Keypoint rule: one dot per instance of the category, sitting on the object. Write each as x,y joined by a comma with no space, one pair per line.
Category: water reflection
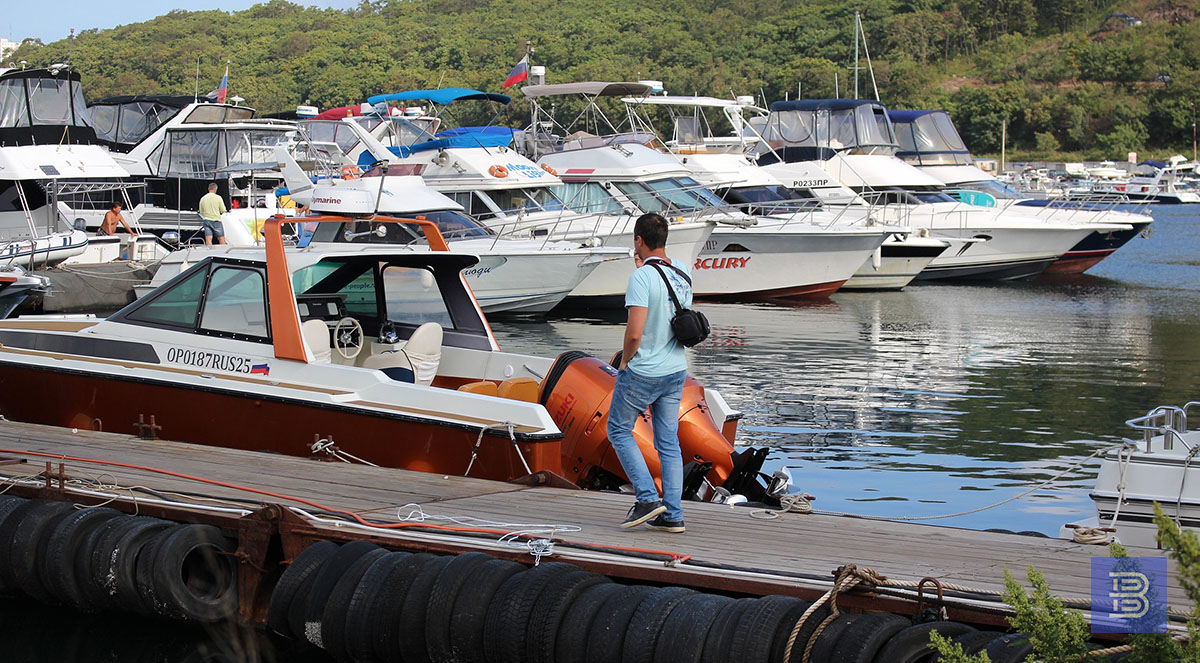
34,632
947,398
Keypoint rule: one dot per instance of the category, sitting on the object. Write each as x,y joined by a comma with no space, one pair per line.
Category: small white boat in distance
1159,468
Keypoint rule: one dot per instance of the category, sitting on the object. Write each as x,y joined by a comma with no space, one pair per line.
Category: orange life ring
550,170
349,173
498,171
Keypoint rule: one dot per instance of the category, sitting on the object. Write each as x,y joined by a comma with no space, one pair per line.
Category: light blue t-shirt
660,352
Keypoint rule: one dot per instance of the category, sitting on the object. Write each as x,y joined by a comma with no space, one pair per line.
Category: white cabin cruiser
929,141
1158,468
852,141
722,164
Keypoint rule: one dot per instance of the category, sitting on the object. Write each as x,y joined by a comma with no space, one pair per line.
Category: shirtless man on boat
112,218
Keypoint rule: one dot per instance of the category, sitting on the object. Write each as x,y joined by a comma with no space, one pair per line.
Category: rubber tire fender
784,630
972,643
304,614
641,638
606,638
571,642
29,538
470,610
805,634
863,639
754,636
360,645
683,633
389,602
135,591
442,600
911,644
1011,648
295,576
411,644
542,634
63,550
823,649
509,613
335,618
718,642
92,586
196,575
8,503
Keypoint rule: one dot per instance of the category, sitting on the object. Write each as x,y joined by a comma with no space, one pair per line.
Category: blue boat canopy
443,96
451,138
910,115
1156,164
821,104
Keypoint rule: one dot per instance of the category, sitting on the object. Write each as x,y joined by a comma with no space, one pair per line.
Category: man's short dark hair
652,228
115,204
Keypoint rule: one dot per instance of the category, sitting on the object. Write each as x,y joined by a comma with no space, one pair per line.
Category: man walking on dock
212,206
652,372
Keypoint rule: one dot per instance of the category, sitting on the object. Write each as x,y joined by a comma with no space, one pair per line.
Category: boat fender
349,173
548,169
498,171
877,258
1147,232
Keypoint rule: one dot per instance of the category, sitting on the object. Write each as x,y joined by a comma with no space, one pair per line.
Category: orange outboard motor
577,392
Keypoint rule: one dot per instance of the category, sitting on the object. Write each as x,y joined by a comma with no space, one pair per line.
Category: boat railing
1169,421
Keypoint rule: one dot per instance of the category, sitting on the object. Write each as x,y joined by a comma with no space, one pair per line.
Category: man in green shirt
212,206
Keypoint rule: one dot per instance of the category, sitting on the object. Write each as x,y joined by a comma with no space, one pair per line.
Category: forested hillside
1067,75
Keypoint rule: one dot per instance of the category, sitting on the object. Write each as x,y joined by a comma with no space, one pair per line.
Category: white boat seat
316,335
421,356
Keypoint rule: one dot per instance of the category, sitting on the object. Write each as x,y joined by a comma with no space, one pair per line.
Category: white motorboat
929,141
1172,182
852,141
1159,467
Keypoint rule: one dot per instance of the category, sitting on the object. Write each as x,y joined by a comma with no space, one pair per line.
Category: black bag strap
678,271
657,265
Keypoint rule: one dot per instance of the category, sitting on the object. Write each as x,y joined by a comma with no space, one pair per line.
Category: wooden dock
725,549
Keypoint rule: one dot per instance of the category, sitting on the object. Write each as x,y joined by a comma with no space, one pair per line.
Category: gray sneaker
641,512
661,524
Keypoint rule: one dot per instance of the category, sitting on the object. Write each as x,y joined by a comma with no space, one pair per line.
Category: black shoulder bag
690,326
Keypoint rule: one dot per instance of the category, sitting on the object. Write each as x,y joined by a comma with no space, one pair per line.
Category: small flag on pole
224,89
519,73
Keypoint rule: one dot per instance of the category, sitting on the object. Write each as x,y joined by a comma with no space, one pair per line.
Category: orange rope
675,557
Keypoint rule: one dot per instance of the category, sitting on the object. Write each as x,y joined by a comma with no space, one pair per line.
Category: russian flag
519,73
260,369
224,89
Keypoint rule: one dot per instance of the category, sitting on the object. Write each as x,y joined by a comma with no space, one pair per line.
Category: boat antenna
857,25
70,44
870,67
196,96
382,165
836,92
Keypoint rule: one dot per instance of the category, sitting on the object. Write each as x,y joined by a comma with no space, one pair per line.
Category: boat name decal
807,183
565,407
216,361
526,170
321,200
721,263
477,271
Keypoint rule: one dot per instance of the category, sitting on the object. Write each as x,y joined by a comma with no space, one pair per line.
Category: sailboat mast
856,29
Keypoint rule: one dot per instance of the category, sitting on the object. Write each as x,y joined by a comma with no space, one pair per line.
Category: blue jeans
633,395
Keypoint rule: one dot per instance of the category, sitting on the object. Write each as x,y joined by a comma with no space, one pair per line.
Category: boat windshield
769,199
588,198
330,131
670,195
527,200
201,153
129,123
995,188
452,224
931,140
402,131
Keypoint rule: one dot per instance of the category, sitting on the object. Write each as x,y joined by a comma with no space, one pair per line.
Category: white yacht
1156,468
800,222
929,141
1172,182
852,141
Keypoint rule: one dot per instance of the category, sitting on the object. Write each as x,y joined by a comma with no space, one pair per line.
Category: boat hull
259,422
899,264
606,285
755,264
527,283
1092,249
1003,254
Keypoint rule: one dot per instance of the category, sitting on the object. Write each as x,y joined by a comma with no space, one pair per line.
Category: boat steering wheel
348,337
